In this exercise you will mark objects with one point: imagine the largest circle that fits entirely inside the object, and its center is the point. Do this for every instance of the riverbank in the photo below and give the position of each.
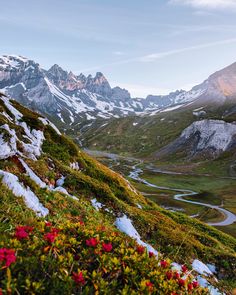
(195, 195)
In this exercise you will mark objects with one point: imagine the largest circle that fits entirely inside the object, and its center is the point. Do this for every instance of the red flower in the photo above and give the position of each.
(8, 256)
(195, 284)
(29, 229)
(169, 275)
(48, 224)
(78, 278)
(92, 242)
(50, 237)
(176, 275)
(184, 268)
(164, 263)
(151, 254)
(22, 232)
(181, 282)
(149, 285)
(190, 287)
(107, 247)
(1, 292)
(140, 249)
(55, 230)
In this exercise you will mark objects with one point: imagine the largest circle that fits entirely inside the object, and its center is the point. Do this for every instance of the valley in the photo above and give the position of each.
(205, 197)
(175, 156)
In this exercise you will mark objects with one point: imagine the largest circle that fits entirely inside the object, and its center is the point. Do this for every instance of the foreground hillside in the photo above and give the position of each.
(70, 225)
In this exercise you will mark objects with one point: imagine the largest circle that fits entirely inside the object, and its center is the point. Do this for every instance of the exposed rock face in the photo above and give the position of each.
(73, 98)
(212, 134)
(62, 95)
(208, 138)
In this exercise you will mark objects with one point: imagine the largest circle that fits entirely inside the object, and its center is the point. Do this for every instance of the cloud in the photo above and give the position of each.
(157, 55)
(209, 4)
(160, 55)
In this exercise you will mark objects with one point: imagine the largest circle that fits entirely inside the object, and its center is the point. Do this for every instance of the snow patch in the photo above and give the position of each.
(31, 200)
(201, 268)
(75, 166)
(60, 181)
(97, 205)
(47, 122)
(125, 225)
(32, 175)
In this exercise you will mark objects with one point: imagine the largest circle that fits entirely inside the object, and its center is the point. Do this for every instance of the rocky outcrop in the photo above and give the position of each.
(208, 138)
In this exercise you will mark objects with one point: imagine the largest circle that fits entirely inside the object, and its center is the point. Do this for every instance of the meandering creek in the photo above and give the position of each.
(136, 173)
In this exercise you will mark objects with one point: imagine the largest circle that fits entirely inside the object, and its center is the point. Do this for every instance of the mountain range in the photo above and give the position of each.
(88, 108)
(71, 98)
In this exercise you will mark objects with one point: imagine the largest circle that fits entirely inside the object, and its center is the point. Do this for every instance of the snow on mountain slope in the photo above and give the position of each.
(61, 94)
(213, 134)
(205, 137)
(71, 99)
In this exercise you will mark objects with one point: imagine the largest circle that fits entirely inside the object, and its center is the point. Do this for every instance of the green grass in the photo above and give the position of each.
(174, 234)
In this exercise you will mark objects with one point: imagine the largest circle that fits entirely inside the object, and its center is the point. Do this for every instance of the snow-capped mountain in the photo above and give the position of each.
(65, 95)
(71, 99)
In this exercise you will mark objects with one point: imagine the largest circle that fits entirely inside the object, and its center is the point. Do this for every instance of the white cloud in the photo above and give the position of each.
(209, 4)
(157, 55)
(160, 55)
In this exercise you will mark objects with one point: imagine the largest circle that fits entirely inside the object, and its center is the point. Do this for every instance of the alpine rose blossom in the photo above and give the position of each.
(181, 282)
(107, 247)
(50, 237)
(149, 285)
(184, 268)
(78, 278)
(190, 287)
(169, 275)
(92, 242)
(151, 254)
(195, 284)
(8, 256)
(140, 249)
(164, 263)
(22, 232)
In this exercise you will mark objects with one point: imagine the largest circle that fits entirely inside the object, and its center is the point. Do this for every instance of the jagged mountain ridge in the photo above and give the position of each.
(62, 94)
(70, 98)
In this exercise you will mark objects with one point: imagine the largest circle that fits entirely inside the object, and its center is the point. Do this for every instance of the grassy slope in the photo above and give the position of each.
(143, 136)
(175, 235)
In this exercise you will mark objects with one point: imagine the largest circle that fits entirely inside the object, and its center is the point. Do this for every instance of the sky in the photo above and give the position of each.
(145, 46)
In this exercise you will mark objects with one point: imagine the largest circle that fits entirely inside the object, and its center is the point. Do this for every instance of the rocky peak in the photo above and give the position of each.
(120, 94)
(98, 84)
(56, 73)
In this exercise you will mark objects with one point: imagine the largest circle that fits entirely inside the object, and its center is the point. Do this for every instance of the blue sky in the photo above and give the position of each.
(146, 46)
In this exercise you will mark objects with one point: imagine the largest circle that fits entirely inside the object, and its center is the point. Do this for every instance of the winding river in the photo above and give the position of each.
(135, 173)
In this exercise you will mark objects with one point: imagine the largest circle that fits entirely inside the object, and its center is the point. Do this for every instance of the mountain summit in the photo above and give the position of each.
(71, 99)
